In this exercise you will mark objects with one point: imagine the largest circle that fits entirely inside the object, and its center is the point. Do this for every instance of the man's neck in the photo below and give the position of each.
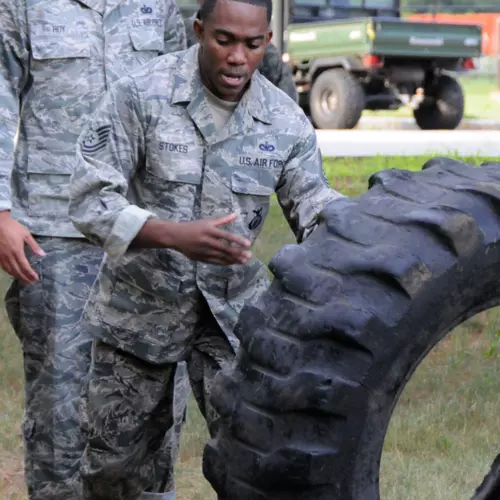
(221, 110)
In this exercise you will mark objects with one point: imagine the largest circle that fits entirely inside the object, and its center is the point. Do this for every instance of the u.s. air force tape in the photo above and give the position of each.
(96, 140)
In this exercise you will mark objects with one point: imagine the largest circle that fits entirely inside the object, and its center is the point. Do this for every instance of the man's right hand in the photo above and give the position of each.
(13, 238)
(200, 240)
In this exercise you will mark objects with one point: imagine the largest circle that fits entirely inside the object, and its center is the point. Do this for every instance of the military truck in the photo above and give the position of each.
(351, 55)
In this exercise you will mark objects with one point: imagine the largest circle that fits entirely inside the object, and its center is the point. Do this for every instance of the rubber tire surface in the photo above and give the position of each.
(328, 348)
(350, 100)
(447, 108)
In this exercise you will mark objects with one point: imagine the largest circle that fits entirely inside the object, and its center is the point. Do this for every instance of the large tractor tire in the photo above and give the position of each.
(336, 100)
(329, 347)
(490, 487)
(443, 107)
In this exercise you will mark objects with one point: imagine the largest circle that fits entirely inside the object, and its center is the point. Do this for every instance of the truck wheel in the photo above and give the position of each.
(444, 108)
(336, 100)
(329, 347)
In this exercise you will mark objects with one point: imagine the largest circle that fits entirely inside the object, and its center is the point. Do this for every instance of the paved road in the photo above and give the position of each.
(409, 142)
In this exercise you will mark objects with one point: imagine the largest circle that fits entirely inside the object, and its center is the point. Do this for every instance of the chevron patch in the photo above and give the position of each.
(96, 140)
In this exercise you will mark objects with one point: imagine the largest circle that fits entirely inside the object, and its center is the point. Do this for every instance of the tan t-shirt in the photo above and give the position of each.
(221, 110)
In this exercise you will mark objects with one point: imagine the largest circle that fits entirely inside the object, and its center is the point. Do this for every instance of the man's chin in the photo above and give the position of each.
(232, 92)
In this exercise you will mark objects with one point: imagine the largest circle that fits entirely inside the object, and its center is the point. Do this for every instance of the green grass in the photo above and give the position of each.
(479, 102)
(444, 433)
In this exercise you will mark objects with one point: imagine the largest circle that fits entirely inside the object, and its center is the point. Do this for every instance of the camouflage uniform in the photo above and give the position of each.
(271, 66)
(160, 156)
(57, 59)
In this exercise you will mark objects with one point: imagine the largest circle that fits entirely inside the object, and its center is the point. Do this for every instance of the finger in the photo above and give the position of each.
(233, 256)
(224, 220)
(15, 271)
(219, 256)
(23, 269)
(231, 238)
(35, 248)
(225, 246)
(218, 262)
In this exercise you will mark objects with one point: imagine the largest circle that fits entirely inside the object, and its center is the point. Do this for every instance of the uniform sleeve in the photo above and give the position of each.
(303, 190)
(14, 70)
(109, 151)
(175, 33)
(277, 72)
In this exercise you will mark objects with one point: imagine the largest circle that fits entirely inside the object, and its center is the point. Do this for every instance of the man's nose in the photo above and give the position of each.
(237, 55)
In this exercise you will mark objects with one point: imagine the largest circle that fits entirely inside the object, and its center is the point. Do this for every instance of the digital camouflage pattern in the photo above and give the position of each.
(271, 66)
(165, 460)
(111, 470)
(58, 58)
(52, 60)
(162, 158)
(159, 155)
(45, 317)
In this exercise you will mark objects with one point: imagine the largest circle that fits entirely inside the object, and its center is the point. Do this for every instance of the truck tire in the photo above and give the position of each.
(336, 100)
(352, 311)
(444, 108)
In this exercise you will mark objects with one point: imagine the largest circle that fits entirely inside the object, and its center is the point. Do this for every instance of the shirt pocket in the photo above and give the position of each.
(149, 272)
(146, 39)
(251, 195)
(173, 173)
(59, 30)
(147, 26)
(173, 193)
(60, 38)
(45, 48)
(142, 296)
(48, 189)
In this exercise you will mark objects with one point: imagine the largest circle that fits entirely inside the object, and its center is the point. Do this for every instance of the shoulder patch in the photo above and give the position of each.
(96, 139)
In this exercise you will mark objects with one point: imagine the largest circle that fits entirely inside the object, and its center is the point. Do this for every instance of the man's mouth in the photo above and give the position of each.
(232, 80)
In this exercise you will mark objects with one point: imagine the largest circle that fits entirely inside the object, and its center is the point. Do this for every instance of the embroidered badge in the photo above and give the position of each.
(96, 140)
(257, 220)
(266, 147)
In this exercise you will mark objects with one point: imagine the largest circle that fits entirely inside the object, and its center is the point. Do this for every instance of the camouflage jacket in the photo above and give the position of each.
(151, 150)
(57, 59)
(271, 66)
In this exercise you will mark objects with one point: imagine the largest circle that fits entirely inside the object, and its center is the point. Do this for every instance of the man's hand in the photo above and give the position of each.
(13, 238)
(198, 240)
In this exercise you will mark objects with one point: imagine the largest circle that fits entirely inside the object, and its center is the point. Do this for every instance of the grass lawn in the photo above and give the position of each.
(444, 433)
(479, 102)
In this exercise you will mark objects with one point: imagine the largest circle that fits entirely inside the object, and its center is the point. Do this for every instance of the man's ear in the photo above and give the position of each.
(198, 29)
(269, 36)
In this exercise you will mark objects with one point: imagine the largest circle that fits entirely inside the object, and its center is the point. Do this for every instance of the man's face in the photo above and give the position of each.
(232, 43)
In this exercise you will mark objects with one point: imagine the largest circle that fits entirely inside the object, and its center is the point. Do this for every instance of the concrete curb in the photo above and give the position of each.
(389, 123)
(365, 143)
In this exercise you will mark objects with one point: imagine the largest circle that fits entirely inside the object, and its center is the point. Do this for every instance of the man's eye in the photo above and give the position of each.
(222, 41)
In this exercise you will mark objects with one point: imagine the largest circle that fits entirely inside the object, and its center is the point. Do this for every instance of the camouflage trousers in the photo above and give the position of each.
(56, 355)
(129, 406)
